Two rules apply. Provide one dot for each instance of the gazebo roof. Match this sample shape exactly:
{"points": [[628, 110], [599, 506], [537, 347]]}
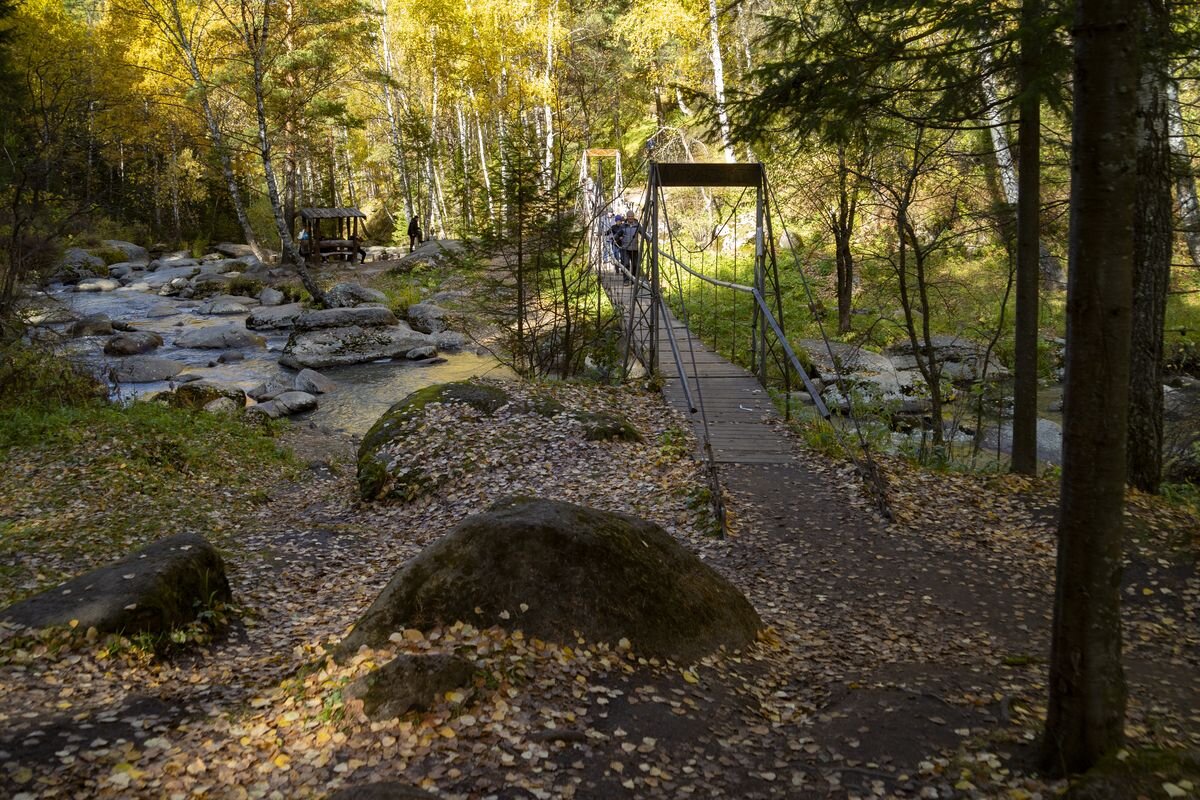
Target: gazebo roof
{"points": [[331, 213]]}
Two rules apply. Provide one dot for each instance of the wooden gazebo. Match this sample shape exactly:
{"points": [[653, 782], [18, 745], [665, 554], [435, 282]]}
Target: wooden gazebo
{"points": [[342, 242]]}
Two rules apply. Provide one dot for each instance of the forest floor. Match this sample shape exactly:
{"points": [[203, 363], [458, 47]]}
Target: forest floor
{"points": [[903, 659]]}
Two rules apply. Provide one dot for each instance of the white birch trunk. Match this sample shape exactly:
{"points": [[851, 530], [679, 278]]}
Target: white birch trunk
{"points": [[483, 166], [719, 82], [1185, 178], [547, 107]]}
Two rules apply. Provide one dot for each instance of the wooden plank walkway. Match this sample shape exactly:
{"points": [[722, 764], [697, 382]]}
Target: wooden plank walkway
{"points": [[737, 408]]}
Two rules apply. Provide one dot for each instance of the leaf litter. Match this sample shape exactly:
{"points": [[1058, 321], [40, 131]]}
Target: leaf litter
{"points": [[903, 659]]}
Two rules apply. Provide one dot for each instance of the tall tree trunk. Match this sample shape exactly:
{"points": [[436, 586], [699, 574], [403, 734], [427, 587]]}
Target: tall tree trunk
{"points": [[1029, 209], [399, 160], [256, 37], [1152, 259], [1086, 708], [1185, 176], [483, 165], [177, 34], [842, 222], [547, 109], [718, 65]]}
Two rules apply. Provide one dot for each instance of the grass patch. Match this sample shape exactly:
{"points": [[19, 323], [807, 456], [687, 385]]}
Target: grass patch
{"points": [[1144, 772], [83, 481]]}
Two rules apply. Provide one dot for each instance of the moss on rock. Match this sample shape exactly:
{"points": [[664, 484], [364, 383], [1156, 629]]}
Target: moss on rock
{"points": [[552, 568], [601, 426], [376, 479]]}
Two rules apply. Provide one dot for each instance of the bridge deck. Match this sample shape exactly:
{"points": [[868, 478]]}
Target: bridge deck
{"points": [[737, 408]]}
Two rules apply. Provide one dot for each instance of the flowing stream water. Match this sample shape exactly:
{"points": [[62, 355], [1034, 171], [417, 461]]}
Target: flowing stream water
{"points": [[363, 393]]}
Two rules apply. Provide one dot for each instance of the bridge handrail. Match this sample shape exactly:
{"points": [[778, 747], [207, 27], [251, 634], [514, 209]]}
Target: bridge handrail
{"points": [[822, 409]]}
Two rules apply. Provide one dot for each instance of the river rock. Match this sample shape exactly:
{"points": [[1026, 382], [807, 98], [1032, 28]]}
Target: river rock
{"points": [[550, 569], [161, 586], [450, 340], [208, 283], [232, 250], [173, 261], [231, 357], [97, 285], [313, 382], [133, 252], [145, 369], [220, 266], [265, 410], [409, 682], [222, 405], [363, 317], [164, 276], [197, 394], [270, 389], [294, 402], [219, 337], [961, 359], [132, 344], [79, 263], [176, 286], [427, 317], [330, 347], [222, 306], [421, 353], [92, 325], [349, 295], [124, 269], [270, 297], [274, 317], [872, 373]]}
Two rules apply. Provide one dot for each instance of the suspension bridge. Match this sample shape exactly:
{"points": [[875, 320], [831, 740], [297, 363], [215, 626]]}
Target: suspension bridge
{"points": [[730, 405]]}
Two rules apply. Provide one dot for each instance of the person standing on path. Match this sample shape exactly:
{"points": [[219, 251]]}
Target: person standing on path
{"points": [[630, 244], [414, 233]]}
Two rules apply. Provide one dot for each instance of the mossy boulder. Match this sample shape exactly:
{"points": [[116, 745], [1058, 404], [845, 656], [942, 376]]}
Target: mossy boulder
{"points": [[409, 683], [601, 426], [198, 394], [378, 477], [553, 569], [162, 586]]}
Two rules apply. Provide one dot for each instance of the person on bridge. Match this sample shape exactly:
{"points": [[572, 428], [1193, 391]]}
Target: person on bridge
{"points": [[628, 241], [414, 233], [613, 223]]}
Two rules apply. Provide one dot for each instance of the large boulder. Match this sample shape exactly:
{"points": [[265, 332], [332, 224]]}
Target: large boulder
{"points": [[313, 382], [222, 306], [92, 325], [77, 263], [232, 250], [871, 373], [349, 295], [553, 569], [219, 337], [273, 317], [427, 317], [198, 394], [379, 476], [132, 344], [159, 587], [165, 275], [961, 359], [145, 369], [330, 347], [133, 252], [364, 317]]}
